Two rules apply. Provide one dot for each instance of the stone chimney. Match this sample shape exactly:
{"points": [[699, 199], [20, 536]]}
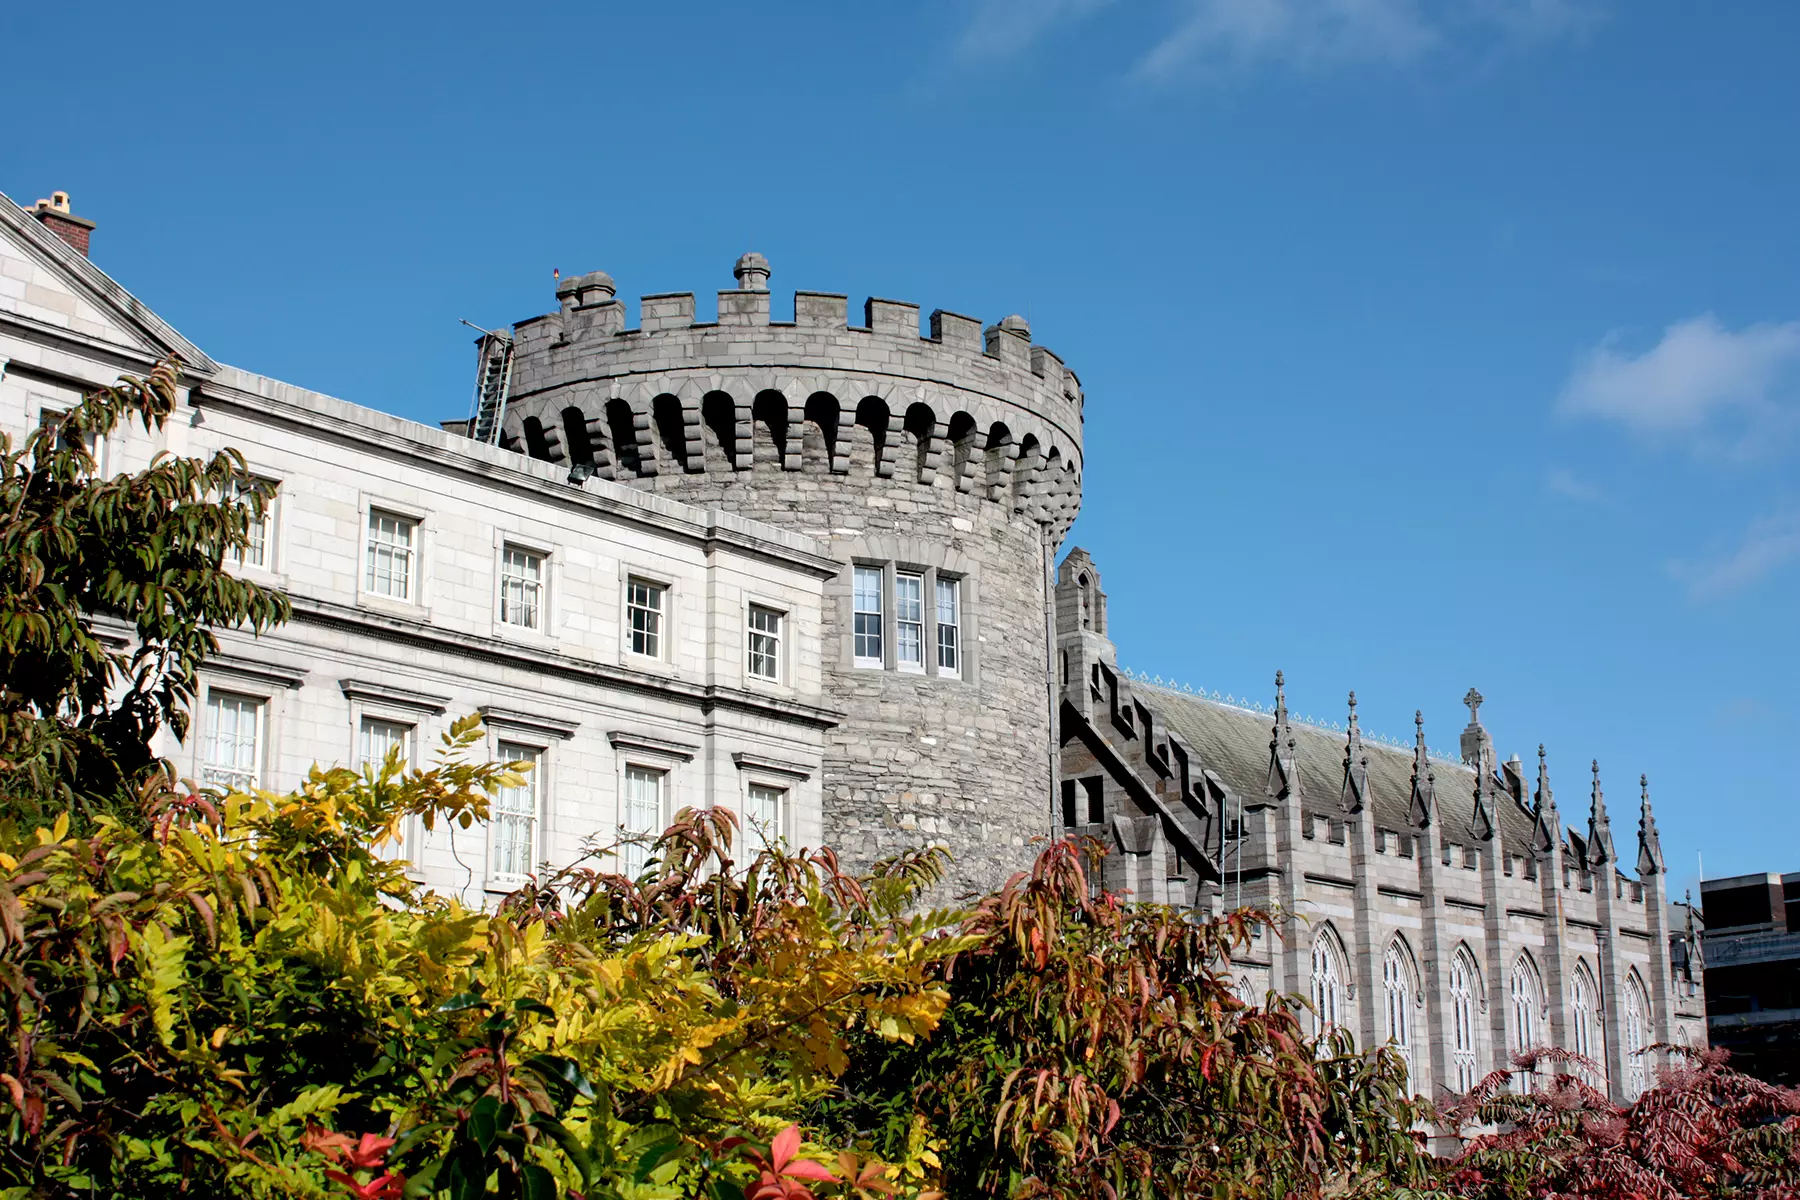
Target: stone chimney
{"points": [[56, 217]]}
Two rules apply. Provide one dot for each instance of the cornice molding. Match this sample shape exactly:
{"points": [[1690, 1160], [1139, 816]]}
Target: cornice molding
{"points": [[386, 693], [644, 743], [496, 717], [756, 762]]}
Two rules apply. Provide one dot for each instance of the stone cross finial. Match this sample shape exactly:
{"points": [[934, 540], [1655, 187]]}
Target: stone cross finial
{"points": [[1356, 766], [1475, 741], [752, 273], [1600, 844]]}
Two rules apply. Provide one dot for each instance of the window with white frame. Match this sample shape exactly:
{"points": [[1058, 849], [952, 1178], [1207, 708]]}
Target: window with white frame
{"points": [[640, 815], [378, 738], [1327, 981], [521, 588], [1398, 989], [91, 440], [765, 643], [392, 555], [1462, 1019], [909, 621], [867, 599], [513, 817], [949, 626], [259, 551], [1637, 1038], [765, 810], [231, 744], [645, 604], [1527, 995]]}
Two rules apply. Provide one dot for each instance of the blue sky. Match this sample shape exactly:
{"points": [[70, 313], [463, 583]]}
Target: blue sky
{"points": [[1425, 343]]}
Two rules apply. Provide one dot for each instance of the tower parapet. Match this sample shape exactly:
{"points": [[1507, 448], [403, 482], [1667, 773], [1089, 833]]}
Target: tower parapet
{"points": [[981, 411], [941, 467]]}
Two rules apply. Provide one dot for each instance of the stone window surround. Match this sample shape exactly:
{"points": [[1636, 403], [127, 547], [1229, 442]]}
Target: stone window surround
{"points": [[418, 607], [534, 732], [265, 683], [649, 752], [784, 656], [270, 573], [919, 556], [549, 586], [38, 405], [381, 701], [757, 770], [663, 662]]}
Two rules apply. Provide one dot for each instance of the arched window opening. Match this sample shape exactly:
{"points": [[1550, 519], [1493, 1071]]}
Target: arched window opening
{"points": [[1585, 1035], [1462, 1012], [1637, 1037], [1328, 982], [1087, 600], [1397, 984], [1527, 1004]]}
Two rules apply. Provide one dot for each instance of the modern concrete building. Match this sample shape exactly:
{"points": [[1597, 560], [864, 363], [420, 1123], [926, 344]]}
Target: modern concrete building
{"points": [[1753, 972], [807, 568]]}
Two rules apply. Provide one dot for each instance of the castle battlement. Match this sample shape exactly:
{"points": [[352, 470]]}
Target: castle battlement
{"points": [[979, 410]]}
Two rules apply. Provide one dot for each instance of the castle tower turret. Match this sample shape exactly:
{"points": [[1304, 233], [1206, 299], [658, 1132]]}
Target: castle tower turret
{"points": [[941, 470]]}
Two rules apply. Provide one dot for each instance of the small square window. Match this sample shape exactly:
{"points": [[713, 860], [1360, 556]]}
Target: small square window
{"points": [[765, 811], [392, 555], [521, 588], [513, 819], [231, 750], [866, 587], [909, 622], [765, 642], [644, 605], [641, 815]]}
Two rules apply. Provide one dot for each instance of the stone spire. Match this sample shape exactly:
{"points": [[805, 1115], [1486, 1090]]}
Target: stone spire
{"points": [[1477, 746], [1284, 767], [1547, 834], [1650, 855], [1355, 794], [1600, 843], [1481, 823], [1424, 781]]}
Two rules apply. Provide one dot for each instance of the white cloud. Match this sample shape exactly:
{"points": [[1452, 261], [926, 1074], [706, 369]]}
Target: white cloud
{"points": [[1698, 376], [1561, 481], [1210, 34], [1001, 28], [1769, 544]]}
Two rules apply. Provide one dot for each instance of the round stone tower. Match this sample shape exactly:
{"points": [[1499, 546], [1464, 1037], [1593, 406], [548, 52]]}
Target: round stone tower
{"points": [[941, 470]]}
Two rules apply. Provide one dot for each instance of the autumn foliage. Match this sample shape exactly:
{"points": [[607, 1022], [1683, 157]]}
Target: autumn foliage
{"points": [[246, 995]]}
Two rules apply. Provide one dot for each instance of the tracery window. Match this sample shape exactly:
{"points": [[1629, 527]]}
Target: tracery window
{"points": [[1585, 1035], [1328, 981], [1399, 992], [1462, 1014], [1637, 1037], [1527, 994]]}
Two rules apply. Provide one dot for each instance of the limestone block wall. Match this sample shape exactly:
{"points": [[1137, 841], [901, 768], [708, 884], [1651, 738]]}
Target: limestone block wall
{"points": [[953, 454]]}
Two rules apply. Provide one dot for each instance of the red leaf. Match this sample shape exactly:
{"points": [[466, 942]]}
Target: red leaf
{"points": [[786, 1145]]}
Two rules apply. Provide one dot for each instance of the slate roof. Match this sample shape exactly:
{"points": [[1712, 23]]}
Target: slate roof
{"points": [[1234, 743]]}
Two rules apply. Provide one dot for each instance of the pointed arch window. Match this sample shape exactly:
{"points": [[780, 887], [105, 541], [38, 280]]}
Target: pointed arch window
{"points": [[1399, 992], [1328, 996], [1462, 1017], [1586, 1037], [1527, 996], [1637, 1037]]}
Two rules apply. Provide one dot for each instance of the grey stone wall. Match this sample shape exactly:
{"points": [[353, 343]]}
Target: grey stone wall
{"points": [[957, 453]]}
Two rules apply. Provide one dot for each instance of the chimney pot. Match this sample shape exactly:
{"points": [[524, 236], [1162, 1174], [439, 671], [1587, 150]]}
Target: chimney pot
{"points": [[55, 216]]}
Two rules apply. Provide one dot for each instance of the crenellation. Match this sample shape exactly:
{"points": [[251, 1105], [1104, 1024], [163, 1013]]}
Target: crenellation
{"points": [[955, 330], [821, 310], [895, 318], [666, 310]]}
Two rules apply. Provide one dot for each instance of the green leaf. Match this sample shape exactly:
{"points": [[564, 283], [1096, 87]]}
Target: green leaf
{"points": [[525, 1004], [462, 1001], [556, 1069], [538, 1184], [484, 1123]]}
